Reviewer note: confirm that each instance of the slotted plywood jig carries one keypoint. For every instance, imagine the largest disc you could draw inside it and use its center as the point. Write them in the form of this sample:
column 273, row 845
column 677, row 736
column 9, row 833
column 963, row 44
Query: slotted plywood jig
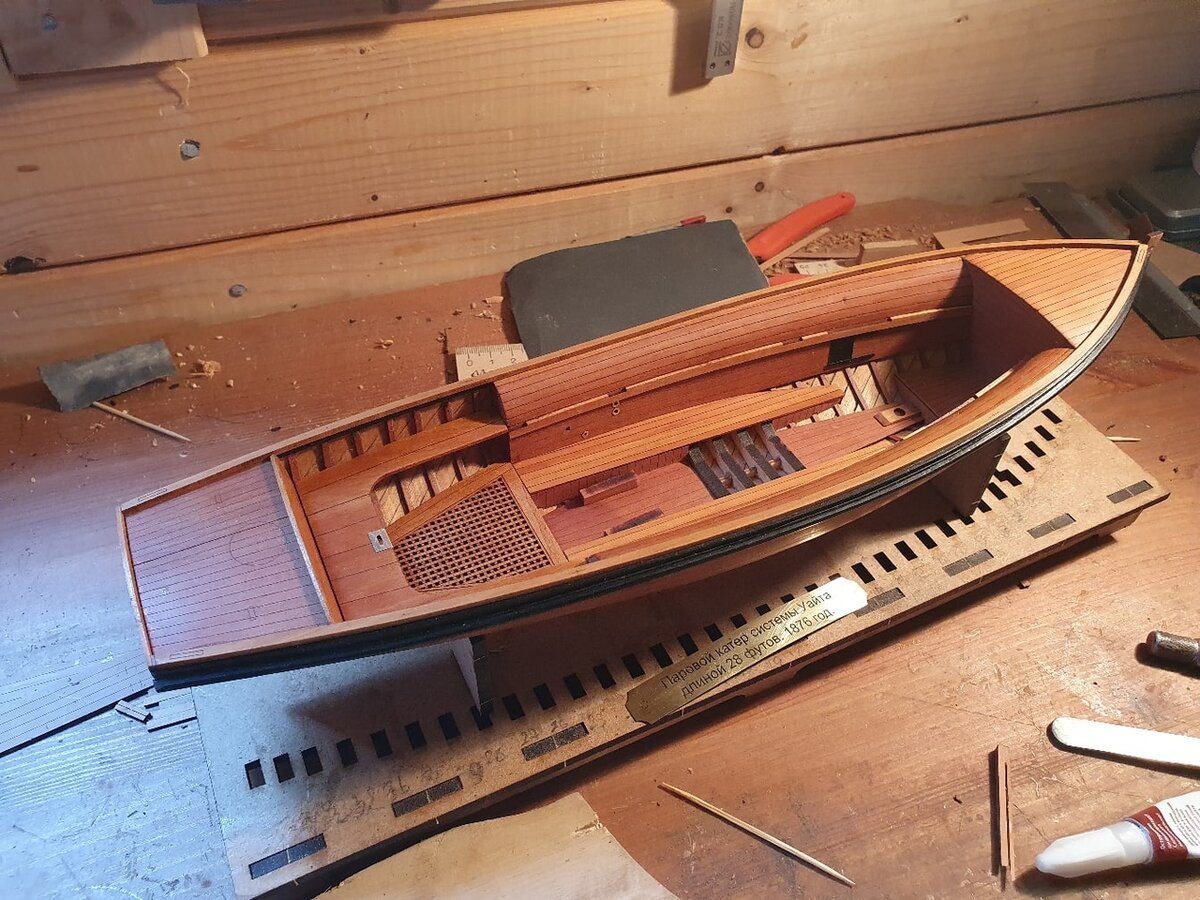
column 356, row 760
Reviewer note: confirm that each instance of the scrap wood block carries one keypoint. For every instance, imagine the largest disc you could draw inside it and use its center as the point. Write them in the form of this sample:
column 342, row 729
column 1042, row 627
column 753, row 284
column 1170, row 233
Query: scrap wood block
column 71, row 35
column 959, row 237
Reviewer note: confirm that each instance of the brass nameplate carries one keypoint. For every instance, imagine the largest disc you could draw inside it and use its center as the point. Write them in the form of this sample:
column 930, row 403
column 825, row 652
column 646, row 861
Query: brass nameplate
column 691, row 678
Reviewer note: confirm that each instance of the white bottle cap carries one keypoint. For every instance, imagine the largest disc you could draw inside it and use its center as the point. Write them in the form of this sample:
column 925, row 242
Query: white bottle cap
column 1122, row 844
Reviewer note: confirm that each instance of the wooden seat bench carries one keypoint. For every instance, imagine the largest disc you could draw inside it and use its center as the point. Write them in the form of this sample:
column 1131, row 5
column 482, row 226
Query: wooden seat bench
column 554, row 477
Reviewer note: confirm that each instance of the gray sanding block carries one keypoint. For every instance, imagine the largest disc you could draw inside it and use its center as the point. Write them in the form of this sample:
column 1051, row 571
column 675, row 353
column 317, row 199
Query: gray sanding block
column 570, row 296
column 77, row 383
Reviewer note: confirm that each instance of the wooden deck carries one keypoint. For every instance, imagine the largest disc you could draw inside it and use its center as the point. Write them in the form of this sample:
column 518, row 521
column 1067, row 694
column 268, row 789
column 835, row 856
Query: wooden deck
column 222, row 565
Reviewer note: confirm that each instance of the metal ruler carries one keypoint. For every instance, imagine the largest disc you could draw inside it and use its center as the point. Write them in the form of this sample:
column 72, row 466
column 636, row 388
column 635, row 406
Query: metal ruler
column 474, row 361
column 724, row 32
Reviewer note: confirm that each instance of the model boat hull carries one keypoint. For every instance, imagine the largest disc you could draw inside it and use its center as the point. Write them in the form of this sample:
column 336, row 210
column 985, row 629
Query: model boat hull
column 711, row 436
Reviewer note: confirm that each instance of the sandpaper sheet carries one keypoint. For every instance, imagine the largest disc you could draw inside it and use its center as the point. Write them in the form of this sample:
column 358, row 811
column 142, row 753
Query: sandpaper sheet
column 570, row 296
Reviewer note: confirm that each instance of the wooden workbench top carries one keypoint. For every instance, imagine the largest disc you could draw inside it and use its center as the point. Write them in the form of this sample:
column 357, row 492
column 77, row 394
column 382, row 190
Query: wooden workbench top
column 876, row 762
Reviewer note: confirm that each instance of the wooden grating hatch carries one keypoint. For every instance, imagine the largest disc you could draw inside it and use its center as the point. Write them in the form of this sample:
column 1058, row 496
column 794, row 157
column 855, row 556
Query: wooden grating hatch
column 486, row 535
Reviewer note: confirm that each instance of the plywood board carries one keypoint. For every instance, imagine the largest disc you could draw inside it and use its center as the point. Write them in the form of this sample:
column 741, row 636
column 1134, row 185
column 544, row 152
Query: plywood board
column 302, row 132
column 56, row 313
column 42, row 36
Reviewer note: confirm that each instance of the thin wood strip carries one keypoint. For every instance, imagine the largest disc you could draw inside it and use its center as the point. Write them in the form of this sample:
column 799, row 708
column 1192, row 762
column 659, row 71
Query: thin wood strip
column 304, row 536
column 758, row 833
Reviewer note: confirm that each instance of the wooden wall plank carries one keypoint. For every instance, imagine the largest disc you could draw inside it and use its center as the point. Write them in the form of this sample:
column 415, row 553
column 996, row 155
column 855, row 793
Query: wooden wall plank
column 313, row 130
column 270, row 18
column 60, row 312
column 41, row 36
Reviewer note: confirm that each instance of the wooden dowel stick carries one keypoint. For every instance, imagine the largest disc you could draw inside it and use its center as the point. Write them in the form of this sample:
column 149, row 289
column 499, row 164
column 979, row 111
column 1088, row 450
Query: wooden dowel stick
column 794, row 248
column 121, row 414
column 757, row 832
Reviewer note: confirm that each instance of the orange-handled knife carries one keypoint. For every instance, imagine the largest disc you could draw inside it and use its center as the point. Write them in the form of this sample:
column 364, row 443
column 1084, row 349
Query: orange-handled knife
column 776, row 238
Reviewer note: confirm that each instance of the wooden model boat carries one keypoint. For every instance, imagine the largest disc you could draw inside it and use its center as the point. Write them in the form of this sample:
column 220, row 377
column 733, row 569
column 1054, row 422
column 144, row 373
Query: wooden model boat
column 740, row 427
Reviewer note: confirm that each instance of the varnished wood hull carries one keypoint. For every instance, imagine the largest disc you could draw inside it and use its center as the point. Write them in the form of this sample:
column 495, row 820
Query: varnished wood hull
column 699, row 441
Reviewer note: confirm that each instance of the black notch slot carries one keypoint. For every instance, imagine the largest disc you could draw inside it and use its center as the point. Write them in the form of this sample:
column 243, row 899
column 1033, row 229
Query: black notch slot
column 603, row 677
column 381, row 744
column 483, row 719
column 346, row 752
column 574, row 687
column 841, row 351
column 415, row 735
column 1052, row 416
column 513, row 707
column 763, row 609
column 906, row 551
column 966, row 520
column 1035, row 449
column 945, row 527
column 1026, row 465
column 788, row 598
column 983, row 507
column 996, row 491
column 312, row 761
column 809, row 588
column 713, row 632
column 884, row 563
column 661, row 656
column 924, row 537
column 543, row 696
column 738, row 620
column 687, row 644
column 632, row 666
column 254, row 774
column 863, row 573
column 449, row 726
column 283, row 768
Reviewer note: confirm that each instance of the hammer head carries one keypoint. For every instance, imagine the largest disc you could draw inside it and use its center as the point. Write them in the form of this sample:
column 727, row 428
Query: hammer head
column 77, row 383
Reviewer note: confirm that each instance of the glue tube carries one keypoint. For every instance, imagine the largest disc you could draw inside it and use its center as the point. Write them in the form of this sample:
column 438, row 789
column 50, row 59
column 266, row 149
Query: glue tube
column 1165, row 831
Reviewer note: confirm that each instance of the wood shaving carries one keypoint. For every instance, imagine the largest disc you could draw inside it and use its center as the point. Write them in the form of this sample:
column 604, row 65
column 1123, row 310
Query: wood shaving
column 384, row 343
column 229, row 383
column 191, row 347
column 486, row 314
column 204, row 368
